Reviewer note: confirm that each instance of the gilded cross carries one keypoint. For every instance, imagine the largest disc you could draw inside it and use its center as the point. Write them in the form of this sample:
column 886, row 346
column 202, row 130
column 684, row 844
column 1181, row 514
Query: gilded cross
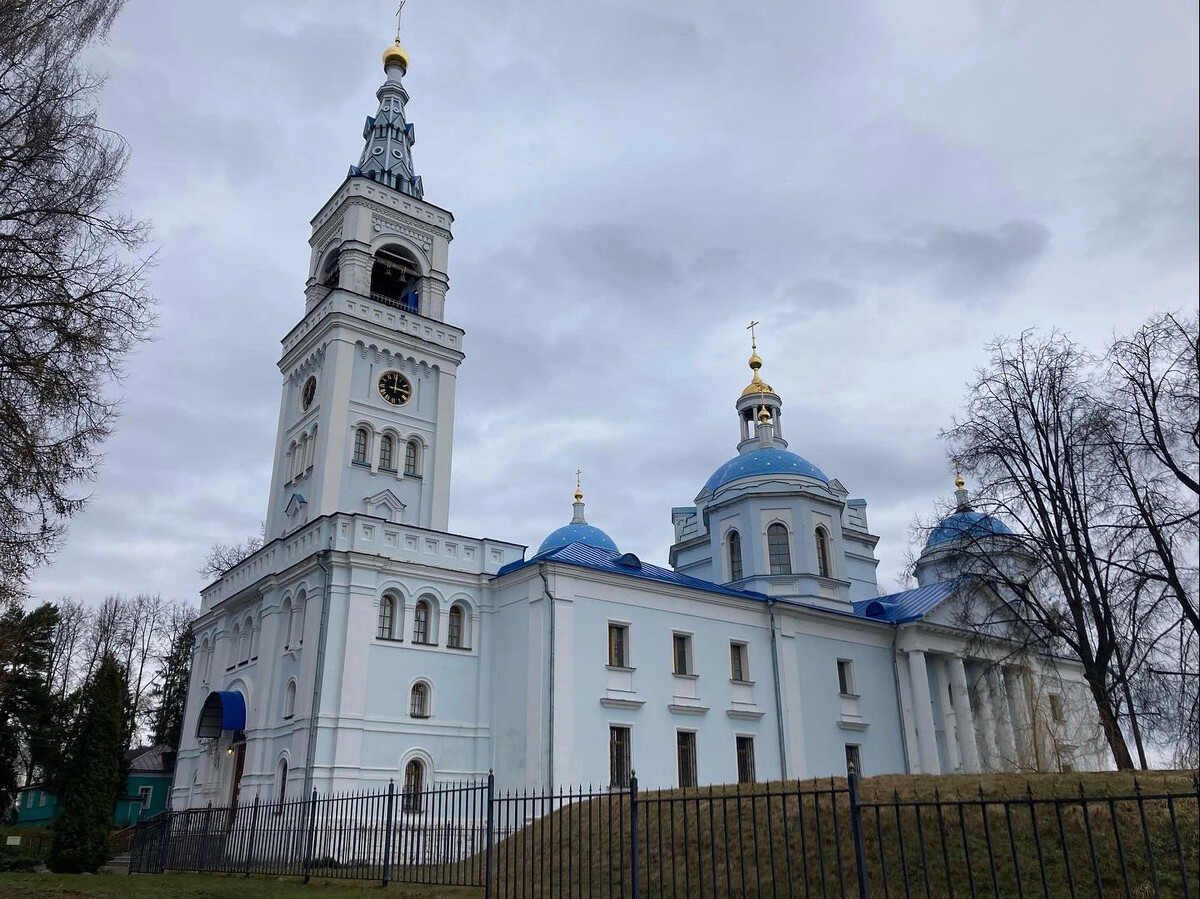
column 399, row 12
column 750, row 327
column 578, row 472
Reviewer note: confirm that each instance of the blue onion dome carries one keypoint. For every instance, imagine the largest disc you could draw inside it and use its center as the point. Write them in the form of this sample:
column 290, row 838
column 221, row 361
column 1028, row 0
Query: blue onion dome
column 578, row 531
column 965, row 521
column 763, row 461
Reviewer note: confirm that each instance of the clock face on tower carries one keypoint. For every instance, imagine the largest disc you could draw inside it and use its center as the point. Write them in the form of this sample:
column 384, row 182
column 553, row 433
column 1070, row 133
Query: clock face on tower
column 394, row 388
column 308, row 393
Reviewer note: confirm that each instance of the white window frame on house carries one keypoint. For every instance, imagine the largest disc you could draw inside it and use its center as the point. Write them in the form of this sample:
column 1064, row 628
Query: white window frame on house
column 772, row 565
column 412, row 458
column 289, row 699
column 821, row 544
column 361, row 452
column 682, row 663
column 616, row 782
column 686, row 739
column 733, row 555
column 422, row 708
column 145, row 794
column 739, row 657
column 739, row 741
column 390, row 609
column 387, row 453
column 424, row 631
column 457, row 636
column 845, row 670
column 619, row 654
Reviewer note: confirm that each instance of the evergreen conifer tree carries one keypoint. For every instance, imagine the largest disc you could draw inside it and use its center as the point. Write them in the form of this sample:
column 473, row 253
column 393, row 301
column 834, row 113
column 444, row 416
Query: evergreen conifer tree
column 171, row 691
column 97, row 774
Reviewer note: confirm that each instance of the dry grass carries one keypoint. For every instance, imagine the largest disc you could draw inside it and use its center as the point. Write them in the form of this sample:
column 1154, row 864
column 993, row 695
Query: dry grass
column 795, row 840
column 208, row 886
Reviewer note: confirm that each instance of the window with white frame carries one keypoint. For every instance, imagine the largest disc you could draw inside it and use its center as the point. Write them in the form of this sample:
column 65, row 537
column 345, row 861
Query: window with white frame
column 412, row 459
column 362, row 440
column 423, row 621
column 289, row 699
column 685, row 755
column 734, row 543
column 456, row 634
column 745, row 759
column 144, row 796
column 281, row 791
column 387, row 453
column 681, row 651
column 739, row 668
column 822, row 543
column 386, row 627
column 419, row 700
column 618, row 645
column 296, row 636
column 779, row 553
column 620, row 756
column 414, row 786
column 845, row 670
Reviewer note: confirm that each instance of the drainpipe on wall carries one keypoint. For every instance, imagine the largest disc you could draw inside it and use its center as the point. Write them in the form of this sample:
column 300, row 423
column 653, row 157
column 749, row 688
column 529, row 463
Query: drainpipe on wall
column 550, row 740
column 778, row 693
column 319, row 674
column 900, row 699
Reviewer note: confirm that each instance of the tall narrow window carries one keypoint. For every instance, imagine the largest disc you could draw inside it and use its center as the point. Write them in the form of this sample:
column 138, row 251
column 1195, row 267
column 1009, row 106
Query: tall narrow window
column 737, row 662
column 387, row 618
column 685, row 752
column 822, row 540
column 412, row 462
column 454, row 627
column 421, row 615
column 285, row 617
column 361, row 438
column 282, row 792
column 312, row 449
column 619, row 757
column 297, row 629
column 387, row 452
column 289, row 699
column 735, row 556
column 414, row 785
column 419, row 704
column 854, row 759
column 778, row 551
column 845, row 669
column 681, row 645
column 745, row 760
column 618, row 645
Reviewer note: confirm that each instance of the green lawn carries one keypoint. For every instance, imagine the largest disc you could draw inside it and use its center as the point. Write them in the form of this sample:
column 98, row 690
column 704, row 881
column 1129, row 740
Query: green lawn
column 209, row 886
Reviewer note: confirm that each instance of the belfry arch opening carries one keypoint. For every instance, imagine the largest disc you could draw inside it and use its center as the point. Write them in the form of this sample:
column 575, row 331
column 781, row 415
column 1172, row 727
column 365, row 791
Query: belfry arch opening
column 396, row 279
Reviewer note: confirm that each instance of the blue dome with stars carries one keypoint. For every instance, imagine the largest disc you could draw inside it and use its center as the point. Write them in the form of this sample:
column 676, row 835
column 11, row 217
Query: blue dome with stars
column 765, row 461
column 578, row 532
column 966, row 523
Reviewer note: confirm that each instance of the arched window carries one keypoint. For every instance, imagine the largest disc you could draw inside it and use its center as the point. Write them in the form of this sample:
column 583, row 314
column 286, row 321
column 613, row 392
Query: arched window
column 412, row 460
column 422, row 615
column 822, row 540
column 235, row 641
column 285, row 625
column 735, row 556
column 419, row 700
column 395, row 279
column 414, row 784
column 254, row 635
column 311, row 455
column 456, row 634
column 281, row 776
column 289, row 699
column 361, row 445
column 296, row 637
column 387, row 453
column 204, row 661
column 244, row 645
column 778, row 551
column 387, row 618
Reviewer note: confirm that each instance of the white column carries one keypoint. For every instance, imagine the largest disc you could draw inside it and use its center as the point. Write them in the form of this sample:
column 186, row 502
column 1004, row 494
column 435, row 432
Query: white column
column 923, row 709
column 963, row 720
column 1005, row 742
column 987, row 718
column 953, row 759
column 1015, row 683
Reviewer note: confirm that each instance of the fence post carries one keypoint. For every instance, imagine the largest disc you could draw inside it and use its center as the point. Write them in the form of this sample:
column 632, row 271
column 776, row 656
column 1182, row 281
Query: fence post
column 253, row 828
column 633, row 832
column 490, row 835
column 310, row 843
column 860, row 850
column 164, row 842
column 387, row 838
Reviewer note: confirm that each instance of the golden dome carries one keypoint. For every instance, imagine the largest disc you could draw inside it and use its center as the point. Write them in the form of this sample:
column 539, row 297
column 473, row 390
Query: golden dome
column 758, row 385
column 578, row 495
column 395, row 55
column 764, row 417
column 959, row 482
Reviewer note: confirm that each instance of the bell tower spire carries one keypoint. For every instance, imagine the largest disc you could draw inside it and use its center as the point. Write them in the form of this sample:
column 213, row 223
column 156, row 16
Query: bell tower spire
column 389, row 136
column 759, row 406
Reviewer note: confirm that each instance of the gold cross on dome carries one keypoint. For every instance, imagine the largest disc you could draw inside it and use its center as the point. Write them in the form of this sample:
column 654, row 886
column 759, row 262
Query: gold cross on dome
column 399, row 12
column 750, row 327
column 578, row 488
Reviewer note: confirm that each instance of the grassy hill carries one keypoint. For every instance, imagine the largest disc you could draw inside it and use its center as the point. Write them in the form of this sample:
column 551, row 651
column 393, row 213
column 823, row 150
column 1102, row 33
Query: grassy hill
column 937, row 836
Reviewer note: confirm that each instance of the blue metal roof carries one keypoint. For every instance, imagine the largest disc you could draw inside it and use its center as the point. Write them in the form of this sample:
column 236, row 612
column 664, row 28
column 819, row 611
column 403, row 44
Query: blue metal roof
column 611, row 562
column 909, row 605
column 578, row 532
column 966, row 524
column 765, row 461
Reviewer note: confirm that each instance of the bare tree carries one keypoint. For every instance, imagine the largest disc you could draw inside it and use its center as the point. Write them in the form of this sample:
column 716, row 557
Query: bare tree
column 223, row 556
column 73, row 299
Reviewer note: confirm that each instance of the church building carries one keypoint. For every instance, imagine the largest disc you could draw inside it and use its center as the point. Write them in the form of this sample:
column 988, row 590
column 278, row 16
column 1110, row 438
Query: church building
column 365, row 642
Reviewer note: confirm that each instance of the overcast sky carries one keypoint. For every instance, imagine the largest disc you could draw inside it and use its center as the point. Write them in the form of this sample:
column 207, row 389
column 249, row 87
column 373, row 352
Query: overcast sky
column 885, row 186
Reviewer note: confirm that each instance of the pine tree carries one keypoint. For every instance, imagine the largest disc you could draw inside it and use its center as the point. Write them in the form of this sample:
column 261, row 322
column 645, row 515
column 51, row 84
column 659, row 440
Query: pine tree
column 97, row 775
column 27, row 707
column 171, row 691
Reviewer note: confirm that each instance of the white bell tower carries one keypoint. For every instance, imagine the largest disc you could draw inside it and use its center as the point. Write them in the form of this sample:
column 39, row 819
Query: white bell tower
column 366, row 417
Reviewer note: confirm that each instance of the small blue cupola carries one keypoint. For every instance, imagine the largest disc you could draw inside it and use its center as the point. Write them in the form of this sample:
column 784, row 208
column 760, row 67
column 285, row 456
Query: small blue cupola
column 578, row 531
column 939, row 560
column 965, row 521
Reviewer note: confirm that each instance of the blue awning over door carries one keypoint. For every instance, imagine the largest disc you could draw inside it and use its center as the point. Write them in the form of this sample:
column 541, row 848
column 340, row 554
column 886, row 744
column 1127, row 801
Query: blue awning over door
column 222, row 710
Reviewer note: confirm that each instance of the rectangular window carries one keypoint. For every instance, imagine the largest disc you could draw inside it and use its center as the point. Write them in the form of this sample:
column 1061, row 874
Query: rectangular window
column 1056, row 707
column 410, row 458
column 745, row 760
column 618, row 645
column 845, row 677
column 682, row 649
column 144, row 794
column 619, row 757
column 685, row 748
column 360, row 446
column 385, row 454
column 42, row 799
column 738, row 670
column 853, row 758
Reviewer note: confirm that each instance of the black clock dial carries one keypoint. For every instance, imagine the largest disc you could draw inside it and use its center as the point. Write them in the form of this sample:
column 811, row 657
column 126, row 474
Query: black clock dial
column 394, row 388
column 308, row 394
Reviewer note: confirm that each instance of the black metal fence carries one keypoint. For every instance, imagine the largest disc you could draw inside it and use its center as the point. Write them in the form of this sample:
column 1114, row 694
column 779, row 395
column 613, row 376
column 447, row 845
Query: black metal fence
column 763, row 840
